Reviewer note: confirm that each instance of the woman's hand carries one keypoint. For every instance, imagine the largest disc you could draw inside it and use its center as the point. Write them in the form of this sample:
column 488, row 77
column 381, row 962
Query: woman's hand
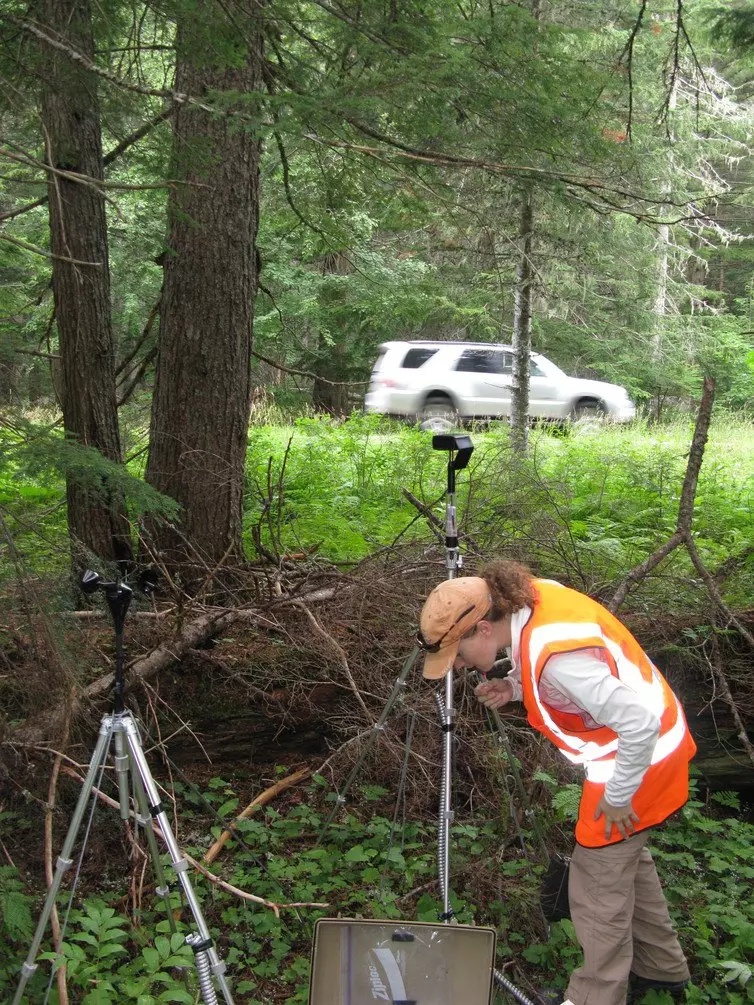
column 494, row 693
column 623, row 817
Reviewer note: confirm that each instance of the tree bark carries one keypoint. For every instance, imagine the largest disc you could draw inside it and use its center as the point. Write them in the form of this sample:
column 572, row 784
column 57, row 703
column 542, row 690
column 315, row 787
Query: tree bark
column 78, row 231
column 522, row 317
column 202, row 397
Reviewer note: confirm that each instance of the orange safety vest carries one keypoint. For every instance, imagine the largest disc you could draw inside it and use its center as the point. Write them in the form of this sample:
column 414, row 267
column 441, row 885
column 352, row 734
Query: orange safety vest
column 565, row 621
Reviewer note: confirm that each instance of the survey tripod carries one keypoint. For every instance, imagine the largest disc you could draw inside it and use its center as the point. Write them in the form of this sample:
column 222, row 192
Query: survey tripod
column 120, row 731
column 459, row 450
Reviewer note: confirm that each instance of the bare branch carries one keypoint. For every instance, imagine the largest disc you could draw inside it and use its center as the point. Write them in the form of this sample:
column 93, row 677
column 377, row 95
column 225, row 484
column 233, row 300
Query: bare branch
column 308, row 373
column 45, row 254
column 686, row 505
column 712, row 588
column 629, row 53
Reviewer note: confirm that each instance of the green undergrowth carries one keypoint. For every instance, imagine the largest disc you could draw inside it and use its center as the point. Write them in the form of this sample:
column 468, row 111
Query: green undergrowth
column 587, row 505
column 706, row 860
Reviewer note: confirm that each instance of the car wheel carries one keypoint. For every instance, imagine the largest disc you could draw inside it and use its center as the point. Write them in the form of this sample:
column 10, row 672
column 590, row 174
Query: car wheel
column 588, row 413
column 439, row 415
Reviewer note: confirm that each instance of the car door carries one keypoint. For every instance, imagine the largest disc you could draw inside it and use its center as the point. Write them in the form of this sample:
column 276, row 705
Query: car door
column 484, row 386
column 544, row 395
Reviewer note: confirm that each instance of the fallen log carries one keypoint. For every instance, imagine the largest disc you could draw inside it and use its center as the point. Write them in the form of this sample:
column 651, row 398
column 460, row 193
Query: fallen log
column 49, row 728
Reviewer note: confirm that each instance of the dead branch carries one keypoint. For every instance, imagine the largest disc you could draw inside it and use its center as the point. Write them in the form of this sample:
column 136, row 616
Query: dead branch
column 639, row 572
column 261, row 800
column 722, row 683
column 342, row 659
column 307, row 373
column 45, row 254
column 149, row 666
column 712, row 588
column 117, row 150
column 142, row 339
column 423, row 509
column 686, row 504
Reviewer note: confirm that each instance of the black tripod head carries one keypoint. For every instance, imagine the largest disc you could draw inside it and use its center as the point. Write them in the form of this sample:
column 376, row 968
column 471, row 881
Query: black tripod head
column 460, row 449
column 119, row 596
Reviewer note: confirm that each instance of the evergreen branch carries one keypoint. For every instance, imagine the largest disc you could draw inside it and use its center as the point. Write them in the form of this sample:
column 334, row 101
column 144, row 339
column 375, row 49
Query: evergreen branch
column 78, row 57
column 73, row 176
column 24, row 157
column 346, row 18
column 117, row 150
column 448, row 159
column 287, row 188
column 597, row 187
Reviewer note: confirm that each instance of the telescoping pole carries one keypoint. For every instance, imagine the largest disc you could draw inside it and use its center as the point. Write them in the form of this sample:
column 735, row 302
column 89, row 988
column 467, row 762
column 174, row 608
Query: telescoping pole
column 459, row 453
column 459, row 450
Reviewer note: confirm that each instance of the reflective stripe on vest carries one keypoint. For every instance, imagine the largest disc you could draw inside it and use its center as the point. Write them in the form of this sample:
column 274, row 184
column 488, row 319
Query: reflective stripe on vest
column 590, row 635
column 602, row 771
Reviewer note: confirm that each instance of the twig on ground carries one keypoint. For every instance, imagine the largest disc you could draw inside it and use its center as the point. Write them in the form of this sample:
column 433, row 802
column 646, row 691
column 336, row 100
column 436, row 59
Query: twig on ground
column 276, row 908
column 261, row 800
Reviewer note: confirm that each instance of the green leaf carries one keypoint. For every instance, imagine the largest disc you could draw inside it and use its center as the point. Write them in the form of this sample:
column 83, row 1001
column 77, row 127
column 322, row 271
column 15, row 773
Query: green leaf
column 356, row 854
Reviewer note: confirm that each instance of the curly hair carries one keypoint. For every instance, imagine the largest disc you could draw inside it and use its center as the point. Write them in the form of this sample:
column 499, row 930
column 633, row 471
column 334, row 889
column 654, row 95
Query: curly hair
column 510, row 585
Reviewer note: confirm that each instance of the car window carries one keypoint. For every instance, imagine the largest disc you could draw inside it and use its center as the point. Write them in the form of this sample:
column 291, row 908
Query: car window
column 534, row 370
column 507, row 363
column 480, row 361
column 415, row 358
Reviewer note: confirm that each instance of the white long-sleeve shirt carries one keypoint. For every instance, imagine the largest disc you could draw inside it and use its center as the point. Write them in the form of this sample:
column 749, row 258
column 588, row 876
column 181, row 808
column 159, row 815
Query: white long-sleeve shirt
column 582, row 683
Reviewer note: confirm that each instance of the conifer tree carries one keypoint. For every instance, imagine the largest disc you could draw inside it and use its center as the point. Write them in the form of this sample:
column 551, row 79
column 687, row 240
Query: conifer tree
column 200, row 408
column 80, row 271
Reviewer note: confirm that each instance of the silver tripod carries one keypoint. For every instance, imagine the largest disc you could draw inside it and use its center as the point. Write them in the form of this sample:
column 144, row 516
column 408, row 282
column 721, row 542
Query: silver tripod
column 119, row 731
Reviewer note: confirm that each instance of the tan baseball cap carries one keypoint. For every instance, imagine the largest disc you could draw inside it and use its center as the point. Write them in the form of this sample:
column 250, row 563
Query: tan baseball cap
column 450, row 611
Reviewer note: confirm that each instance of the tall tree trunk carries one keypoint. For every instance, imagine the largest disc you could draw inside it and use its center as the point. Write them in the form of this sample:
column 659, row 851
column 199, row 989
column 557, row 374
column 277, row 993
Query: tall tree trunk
column 202, row 397
column 328, row 396
column 522, row 317
column 80, row 275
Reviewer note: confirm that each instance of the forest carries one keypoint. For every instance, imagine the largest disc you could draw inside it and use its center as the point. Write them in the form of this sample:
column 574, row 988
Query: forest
column 213, row 215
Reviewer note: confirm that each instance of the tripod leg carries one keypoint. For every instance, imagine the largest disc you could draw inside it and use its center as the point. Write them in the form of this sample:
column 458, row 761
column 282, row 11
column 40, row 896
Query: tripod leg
column 180, row 864
column 65, row 861
column 121, row 771
column 142, row 817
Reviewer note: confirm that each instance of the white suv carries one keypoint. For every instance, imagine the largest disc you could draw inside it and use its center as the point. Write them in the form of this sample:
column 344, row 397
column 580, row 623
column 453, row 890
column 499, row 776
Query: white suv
column 436, row 383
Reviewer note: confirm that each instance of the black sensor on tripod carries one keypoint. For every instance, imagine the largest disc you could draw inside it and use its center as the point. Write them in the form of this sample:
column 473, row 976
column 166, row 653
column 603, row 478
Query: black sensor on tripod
column 462, row 446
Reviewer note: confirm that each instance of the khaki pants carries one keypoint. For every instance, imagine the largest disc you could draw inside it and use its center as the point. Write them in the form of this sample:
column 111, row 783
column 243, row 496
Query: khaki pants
column 622, row 922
